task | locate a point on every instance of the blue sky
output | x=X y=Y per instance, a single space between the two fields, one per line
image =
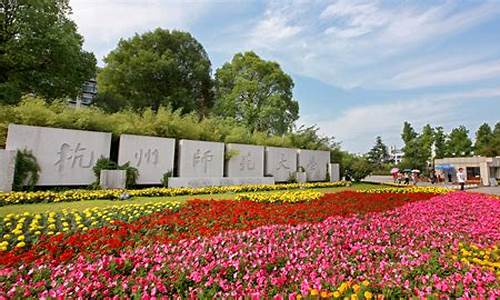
x=361 y=68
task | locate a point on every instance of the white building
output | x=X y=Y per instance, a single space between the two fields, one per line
x=396 y=155
x=87 y=95
x=482 y=170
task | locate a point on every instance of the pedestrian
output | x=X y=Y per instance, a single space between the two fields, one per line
x=407 y=178
x=461 y=178
x=433 y=177
x=400 y=177
x=449 y=177
x=414 y=178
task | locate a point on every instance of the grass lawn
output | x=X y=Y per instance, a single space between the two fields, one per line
x=81 y=205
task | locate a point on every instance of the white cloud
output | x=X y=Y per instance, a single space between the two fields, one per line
x=363 y=43
x=441 y=74
x=358 y=126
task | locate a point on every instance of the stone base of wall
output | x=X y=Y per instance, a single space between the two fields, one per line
x=113 y=179
x=301 y=177
x=334 y=171
x=7 y=166
x=217 y=181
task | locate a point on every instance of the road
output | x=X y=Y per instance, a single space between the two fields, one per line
x=483 y=189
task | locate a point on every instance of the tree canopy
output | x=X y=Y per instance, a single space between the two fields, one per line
x=160 y=67
x=378 y=155
x=459 y=143
x=257 y=93
x=41 y=51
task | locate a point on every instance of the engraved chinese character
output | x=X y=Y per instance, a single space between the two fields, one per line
x=312 y=165
x=282 y=162
x=247 y=162
x=150 y=156
x=203 y=159
x=74 y=156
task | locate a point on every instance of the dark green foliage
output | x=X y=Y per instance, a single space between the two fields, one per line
x=41 y=51
x=440 y=142
x=356 y=168
x=459 y=143
x=378 y=155
x=166 y=176
x=26 y=172
x=484 y=141
x=158 y=68
x=256 y=93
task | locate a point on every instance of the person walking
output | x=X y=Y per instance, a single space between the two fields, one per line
x=461 y=178
x=407 y=178
x=433 y=177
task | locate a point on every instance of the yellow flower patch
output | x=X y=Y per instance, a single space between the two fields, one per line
x=281 y=197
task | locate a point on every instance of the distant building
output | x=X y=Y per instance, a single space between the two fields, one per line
x=396 y=155
x=87 y=95
x=479 y=169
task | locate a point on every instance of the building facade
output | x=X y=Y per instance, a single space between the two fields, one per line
x=483 y=170
x=87 y=95
x=396 y=155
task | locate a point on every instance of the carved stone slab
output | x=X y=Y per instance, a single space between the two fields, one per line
x=200 y=159
x=113 y=179
x=248 y=161
x=334 y=171
x=201 y=182
x=281 y=163
x=152 y=156
x=66 y=157
x=315 y=163
x=7 y=165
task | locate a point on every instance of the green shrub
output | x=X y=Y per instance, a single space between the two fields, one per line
x=26 y=173
x=163 y=123
x=166 y=176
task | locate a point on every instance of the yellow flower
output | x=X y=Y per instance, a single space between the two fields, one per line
x=368 y=295
x=336 y=294
x=20 y=244
x=365 y=282
x=356 y=288
x=314 y=292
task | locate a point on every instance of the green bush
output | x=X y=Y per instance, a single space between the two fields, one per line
x=356 y=168
x=26 y=173
x=163 y=123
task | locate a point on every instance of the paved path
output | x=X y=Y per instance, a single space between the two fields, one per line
x=494 y=190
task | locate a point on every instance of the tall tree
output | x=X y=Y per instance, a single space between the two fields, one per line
x=408 y=133
x=440 y=142
x=415 y=155
x=257 y=93
x=41 y=51
x=159 y=67
x=484 y=139
x=495 y=143
x=427 y=137
x=459 y=143
x=378 y=155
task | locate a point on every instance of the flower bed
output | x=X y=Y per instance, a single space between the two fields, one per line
x=22 y=230
x=79 y=195
x=410 y=190
x=283 y=197
x=405 y=252
x=202 y=218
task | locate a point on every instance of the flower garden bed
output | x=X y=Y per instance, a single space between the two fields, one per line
x=370 y=245
x=80 y=195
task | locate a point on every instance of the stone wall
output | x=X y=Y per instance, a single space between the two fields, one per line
x=152 y=156
x=66 y=157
